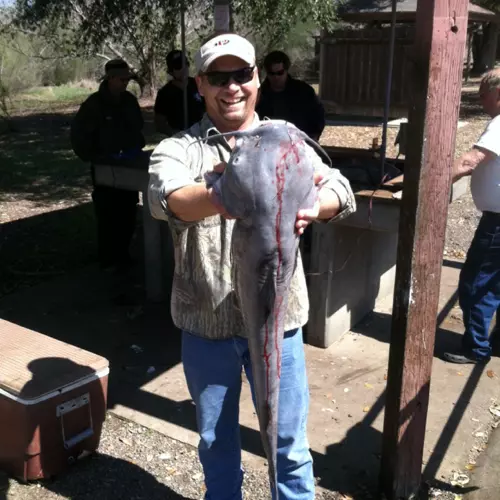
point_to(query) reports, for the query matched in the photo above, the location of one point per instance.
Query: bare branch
(104, 56)
(117, 53)
(16, 49)
(78, 10)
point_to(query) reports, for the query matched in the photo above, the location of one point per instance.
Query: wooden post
(441, 28)
(222, 15)
(492, 44)
(185, 70)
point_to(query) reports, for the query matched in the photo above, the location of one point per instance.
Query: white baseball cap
(224, 45)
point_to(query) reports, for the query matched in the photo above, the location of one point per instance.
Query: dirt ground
(136, 463)
(47, 230)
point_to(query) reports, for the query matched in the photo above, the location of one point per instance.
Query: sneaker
(462, 358)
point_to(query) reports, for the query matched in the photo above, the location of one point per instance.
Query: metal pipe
(184, 67)
(383, 152)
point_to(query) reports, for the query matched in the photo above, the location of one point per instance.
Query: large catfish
(268, 179)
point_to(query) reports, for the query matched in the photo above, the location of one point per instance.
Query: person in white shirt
(479, 284)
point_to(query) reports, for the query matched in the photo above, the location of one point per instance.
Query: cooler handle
(68, 407)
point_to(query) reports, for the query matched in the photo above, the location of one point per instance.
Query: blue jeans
(213, 370)
(479, 286)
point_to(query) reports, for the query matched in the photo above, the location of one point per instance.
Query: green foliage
(51, 98)
(274, 24)
(273, 21)
(4, 106)
(140, 32)
(29, 59)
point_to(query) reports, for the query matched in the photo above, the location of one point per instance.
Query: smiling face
(230, 102)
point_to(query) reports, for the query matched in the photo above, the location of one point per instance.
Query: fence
(353, 70)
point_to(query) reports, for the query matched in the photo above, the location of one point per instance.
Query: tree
(143, 31)
(5, 118)
(271, 22)
(140, 32)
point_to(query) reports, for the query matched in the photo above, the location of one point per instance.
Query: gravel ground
(136, 463)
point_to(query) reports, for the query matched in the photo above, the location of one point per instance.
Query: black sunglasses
(281, 72)
(222, 78)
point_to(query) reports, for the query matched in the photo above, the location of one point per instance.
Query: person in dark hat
(287, 98)
(107, 129)
(169, 105)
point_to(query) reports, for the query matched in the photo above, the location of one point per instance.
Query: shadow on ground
(116, 478)
(40, 248)
(37, 162)
(108, 314)
(112, 478)
(470, 106)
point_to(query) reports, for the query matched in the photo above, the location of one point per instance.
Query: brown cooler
(52, 402)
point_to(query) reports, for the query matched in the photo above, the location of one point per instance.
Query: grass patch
(52, 98)
(49, 98)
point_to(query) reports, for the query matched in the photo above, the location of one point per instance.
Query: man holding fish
(214, 301)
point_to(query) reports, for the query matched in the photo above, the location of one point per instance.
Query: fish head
(270, 168)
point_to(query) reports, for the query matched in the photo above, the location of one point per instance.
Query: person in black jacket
(169, 104)
(107, 129)
(287, 98)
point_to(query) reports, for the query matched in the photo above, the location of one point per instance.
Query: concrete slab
(487, 472)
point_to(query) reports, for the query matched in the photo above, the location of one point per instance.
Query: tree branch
(104, 56)
(118, 54)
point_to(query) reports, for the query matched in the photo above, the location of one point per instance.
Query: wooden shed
(354, 61)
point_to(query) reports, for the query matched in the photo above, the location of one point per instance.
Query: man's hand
(469, 161)
(306, 216)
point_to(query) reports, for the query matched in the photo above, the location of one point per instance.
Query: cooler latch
(68, 407)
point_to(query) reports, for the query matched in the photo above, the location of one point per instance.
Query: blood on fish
(280, 183)
(282, 165)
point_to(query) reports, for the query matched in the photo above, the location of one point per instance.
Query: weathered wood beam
(438, 53)
(492, 44)
(222, 15)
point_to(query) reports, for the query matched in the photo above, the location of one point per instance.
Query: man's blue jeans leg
(213, 370)
(479, 286)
